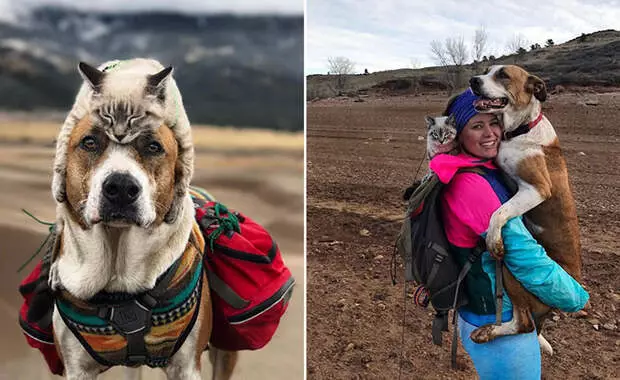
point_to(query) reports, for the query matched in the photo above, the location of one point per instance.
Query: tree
(479, 44)
(515, 43)
(452, 56)
(438, 53)
(549, 43)
(456, 50)
(535, 46)
(340, 67)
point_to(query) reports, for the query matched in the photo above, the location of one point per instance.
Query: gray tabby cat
(441, 136)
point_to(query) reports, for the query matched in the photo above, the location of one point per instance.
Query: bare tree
(456, 50)
(451, 56)
(479, 45)
(438, 53)
(515, 43)
(340, 67)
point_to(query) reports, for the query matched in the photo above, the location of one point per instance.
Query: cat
(441, 135)
(440, 138)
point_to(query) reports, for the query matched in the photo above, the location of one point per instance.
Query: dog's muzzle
(120, 193)
(476, 83)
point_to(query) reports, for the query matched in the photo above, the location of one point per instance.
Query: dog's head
(120, 159)
(507, 88)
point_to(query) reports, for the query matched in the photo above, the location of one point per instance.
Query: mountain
(232, 70)
(590, 60)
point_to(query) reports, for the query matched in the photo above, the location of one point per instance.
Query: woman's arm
(539, 274)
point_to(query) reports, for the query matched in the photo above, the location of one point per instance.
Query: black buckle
(130, 318)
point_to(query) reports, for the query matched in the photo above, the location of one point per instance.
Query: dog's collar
(140, 329)
(524, 128)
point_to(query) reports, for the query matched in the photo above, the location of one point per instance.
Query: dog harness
(140, 329)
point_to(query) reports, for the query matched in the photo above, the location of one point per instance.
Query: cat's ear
(430, 121)
(451, 120)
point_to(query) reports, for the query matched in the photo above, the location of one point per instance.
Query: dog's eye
(89, 143)
(502, 74)
(154, 148)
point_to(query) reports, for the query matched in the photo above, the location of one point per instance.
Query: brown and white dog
(531, 155)
(123, 163)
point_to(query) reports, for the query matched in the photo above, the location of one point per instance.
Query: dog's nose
(475, 84)
(121, 189)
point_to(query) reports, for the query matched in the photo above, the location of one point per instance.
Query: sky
(392, 34)
(8, 8)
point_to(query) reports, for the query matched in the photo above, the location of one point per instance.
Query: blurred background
(239, 66)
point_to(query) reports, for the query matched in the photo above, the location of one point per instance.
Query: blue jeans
(505, 358)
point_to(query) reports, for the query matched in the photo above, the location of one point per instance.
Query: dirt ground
(261, 175)
(361, 155)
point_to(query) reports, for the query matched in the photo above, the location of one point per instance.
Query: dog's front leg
(185, 364)
(534, 188)
(79, 365)
(223, 363)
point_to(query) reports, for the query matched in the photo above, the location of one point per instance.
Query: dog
(531, 155)
(127, 264)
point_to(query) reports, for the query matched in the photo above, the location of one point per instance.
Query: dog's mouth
(119, 219)
(490, 104)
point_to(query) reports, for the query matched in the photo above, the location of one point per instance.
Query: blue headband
(463, 109)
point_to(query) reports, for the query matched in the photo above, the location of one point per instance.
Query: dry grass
(209, 137)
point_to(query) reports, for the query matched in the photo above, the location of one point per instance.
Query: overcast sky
(8, 8)
(392, 34)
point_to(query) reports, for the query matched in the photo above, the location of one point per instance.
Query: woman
(468, 202)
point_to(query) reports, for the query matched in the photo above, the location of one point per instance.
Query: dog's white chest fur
(129, 261)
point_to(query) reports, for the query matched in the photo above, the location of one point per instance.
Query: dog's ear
(91, 75)
(154, 83)
(430, 121)
(536, 86)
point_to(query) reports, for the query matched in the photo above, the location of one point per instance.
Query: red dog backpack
(250, 284)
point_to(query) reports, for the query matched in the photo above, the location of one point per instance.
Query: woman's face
(481, 135)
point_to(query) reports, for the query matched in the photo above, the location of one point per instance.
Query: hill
(232, 70)
(591, 60)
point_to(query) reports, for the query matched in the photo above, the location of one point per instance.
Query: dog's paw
(545, 346)
(495, 244)
(483, 334)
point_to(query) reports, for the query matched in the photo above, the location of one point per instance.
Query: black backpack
(424, 247)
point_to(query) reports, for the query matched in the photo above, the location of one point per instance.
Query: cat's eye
(107, 118)
(132, 119)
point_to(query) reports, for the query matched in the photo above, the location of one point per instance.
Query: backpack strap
(473, 257)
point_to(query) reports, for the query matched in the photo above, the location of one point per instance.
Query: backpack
(250, 284)
(425, 250)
